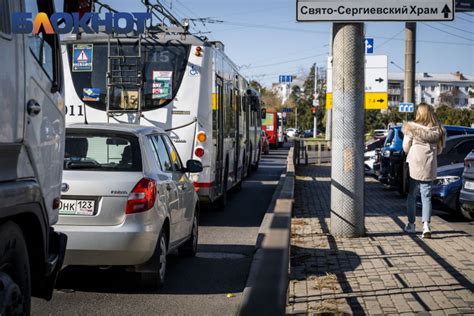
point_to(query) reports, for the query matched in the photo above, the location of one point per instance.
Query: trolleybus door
(218, 132)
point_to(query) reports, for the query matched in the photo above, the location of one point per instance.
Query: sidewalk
(386, 272)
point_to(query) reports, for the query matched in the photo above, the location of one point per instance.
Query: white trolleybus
(180, 83)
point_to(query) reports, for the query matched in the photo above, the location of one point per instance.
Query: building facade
(435, 89)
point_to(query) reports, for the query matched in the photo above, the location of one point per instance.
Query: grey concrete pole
(410, 63)
(347, 172)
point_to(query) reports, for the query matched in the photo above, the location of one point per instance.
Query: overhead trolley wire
(452, 34)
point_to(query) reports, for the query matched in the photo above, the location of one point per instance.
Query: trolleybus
(181, 83)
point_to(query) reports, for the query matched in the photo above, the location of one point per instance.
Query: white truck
(31, 159)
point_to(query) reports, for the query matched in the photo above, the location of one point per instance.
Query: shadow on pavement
(211, 272)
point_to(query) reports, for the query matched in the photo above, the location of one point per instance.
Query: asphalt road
(198, 286)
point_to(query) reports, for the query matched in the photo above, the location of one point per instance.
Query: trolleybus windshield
(162, 66)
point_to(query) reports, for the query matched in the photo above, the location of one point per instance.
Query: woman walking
(423, 140)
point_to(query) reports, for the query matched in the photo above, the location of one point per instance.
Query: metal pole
(316, 97)
(347, 172)
(296, 117)
(329, 112)
(410, 62)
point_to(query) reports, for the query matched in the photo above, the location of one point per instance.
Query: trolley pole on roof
(347, 170)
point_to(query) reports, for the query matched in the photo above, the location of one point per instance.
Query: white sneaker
(410, 228)
(426, 230)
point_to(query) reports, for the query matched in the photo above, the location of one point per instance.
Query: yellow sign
(215, 101)
(373, 101)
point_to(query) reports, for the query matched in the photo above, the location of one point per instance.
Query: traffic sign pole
(347, 171)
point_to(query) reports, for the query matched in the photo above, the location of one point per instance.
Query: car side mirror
(193, 166)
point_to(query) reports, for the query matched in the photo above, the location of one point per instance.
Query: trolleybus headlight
(199, 152)
(202, 137)
(198, 51)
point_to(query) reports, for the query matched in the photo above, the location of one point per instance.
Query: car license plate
(77, 207)
(469, 185)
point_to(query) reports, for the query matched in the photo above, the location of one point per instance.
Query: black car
(466, 197)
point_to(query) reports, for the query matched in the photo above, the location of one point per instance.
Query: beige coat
(422, 145)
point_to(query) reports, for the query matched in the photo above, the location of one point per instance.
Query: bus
(273, 125)
(183, 84)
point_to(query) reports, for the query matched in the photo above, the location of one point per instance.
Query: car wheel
(156, 279)
(15, 287)
(468, 215)
(189, 248)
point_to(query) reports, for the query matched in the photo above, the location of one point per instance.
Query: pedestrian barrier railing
(267, 285)
(303, 148)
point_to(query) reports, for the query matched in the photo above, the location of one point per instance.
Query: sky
(264, 39)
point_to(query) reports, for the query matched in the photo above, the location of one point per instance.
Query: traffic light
(313, 110)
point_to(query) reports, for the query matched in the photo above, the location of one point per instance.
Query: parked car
(380, 133)
(291, 132)
(388, 166)
(375, 143)
(466, 198)
(127, 200)
(265, 143)
(369, 160)
(446, 188)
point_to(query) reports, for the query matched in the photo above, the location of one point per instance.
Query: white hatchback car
(126, 199)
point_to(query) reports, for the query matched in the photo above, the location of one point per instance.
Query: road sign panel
(376, 73)
(406, 108)
(287, 110)
(373, 101)
(370, 10)
(286, 79)
(464, 5)
(369, 45)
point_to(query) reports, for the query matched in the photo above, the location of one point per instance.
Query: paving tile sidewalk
(386, 272)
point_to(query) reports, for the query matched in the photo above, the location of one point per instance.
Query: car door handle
(33, 108)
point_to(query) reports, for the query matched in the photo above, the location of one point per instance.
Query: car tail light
(199, 152)
(142, 198)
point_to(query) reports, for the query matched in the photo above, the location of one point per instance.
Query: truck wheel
(189, 248)
(15, 287)
(468, 215)
(155, 280)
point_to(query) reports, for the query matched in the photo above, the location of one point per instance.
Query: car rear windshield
(101, 151)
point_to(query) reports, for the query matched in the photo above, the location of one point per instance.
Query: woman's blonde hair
(425, 115)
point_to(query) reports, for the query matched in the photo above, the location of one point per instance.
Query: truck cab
(32, 147)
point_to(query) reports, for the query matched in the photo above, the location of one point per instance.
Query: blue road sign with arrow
(369, 45)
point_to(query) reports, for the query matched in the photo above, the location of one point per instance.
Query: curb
(265, 292)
